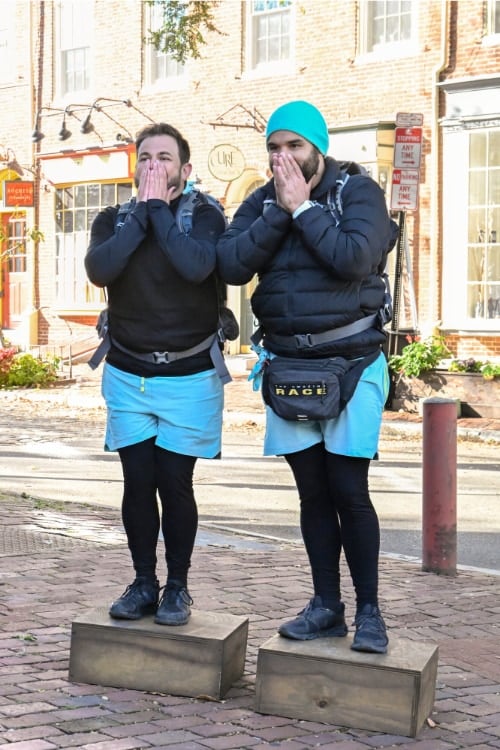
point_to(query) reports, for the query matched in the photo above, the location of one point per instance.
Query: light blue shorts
(355, 432)
(183, 413)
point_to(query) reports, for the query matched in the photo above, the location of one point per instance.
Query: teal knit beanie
(302, 118)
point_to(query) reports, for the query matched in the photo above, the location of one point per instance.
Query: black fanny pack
(311, 389)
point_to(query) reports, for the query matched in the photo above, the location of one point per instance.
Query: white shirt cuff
(300, 209)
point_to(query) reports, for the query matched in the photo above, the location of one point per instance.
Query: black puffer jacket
(313, 276)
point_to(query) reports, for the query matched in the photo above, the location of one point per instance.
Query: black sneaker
(175, 605)
(138, 599)
(370, 632)
(315, 621)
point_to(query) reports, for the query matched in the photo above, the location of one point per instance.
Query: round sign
(226, 162)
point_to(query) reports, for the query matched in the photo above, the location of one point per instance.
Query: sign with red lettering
(406, 161)
(18, 194)
(404, 193)
(408, 148)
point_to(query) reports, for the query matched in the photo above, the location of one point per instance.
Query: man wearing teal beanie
(304, 119)
(317, 243)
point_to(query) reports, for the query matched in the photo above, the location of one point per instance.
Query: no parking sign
(406, 164)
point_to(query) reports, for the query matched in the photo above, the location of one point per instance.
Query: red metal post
(439, 507)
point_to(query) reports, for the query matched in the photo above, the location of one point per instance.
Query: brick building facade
(360, 62)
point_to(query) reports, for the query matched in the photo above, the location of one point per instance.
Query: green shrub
(423, 355)
(465, 365)
(488, 370)
(419, 356)
(27, 371)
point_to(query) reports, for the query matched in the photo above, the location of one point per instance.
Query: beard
(310, 166)
(174, 180)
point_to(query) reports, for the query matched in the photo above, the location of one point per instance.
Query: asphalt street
(56, 453)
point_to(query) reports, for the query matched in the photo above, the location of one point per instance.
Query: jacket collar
(330, 176)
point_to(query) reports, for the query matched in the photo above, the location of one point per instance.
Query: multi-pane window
(160, 66)
(494, 17)
(385, 23)
(483, 247)
(269, 38)
(164, 66)
(75, 35)
(16, 245)
(75, 209)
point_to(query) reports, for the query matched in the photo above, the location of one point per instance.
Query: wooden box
(324, 680)
(204, 657)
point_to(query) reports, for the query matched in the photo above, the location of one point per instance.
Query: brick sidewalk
(59, 560)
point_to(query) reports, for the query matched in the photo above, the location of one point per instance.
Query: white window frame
(492, 34)
(455, 279)
(386, 49)
(253, 67)
(177, 76)
(74, 36)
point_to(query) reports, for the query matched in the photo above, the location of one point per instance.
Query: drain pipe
(435, 202)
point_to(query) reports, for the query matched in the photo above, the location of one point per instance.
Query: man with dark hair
(163, 394)
(318, 295)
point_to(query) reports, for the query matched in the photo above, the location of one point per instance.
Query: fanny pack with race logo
(299, 389)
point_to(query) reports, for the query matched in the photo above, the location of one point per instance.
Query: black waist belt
(164, 358)
(305, 340)
(160, 358)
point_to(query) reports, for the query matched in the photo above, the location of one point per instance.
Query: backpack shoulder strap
(334, 196)
(123, 211)
(188, 203)
(184, 214)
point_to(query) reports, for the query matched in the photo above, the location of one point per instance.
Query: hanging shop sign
(18, 194)
(89, 165)
(226, 162)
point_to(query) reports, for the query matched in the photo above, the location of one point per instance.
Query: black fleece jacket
(161, 283)
(313, 275)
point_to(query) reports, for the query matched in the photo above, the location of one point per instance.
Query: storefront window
(75, 209)
(483, 250)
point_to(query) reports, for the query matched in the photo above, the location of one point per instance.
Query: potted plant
(425, 368)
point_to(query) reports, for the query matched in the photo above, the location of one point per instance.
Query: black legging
(147, 471)
(335, 512)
